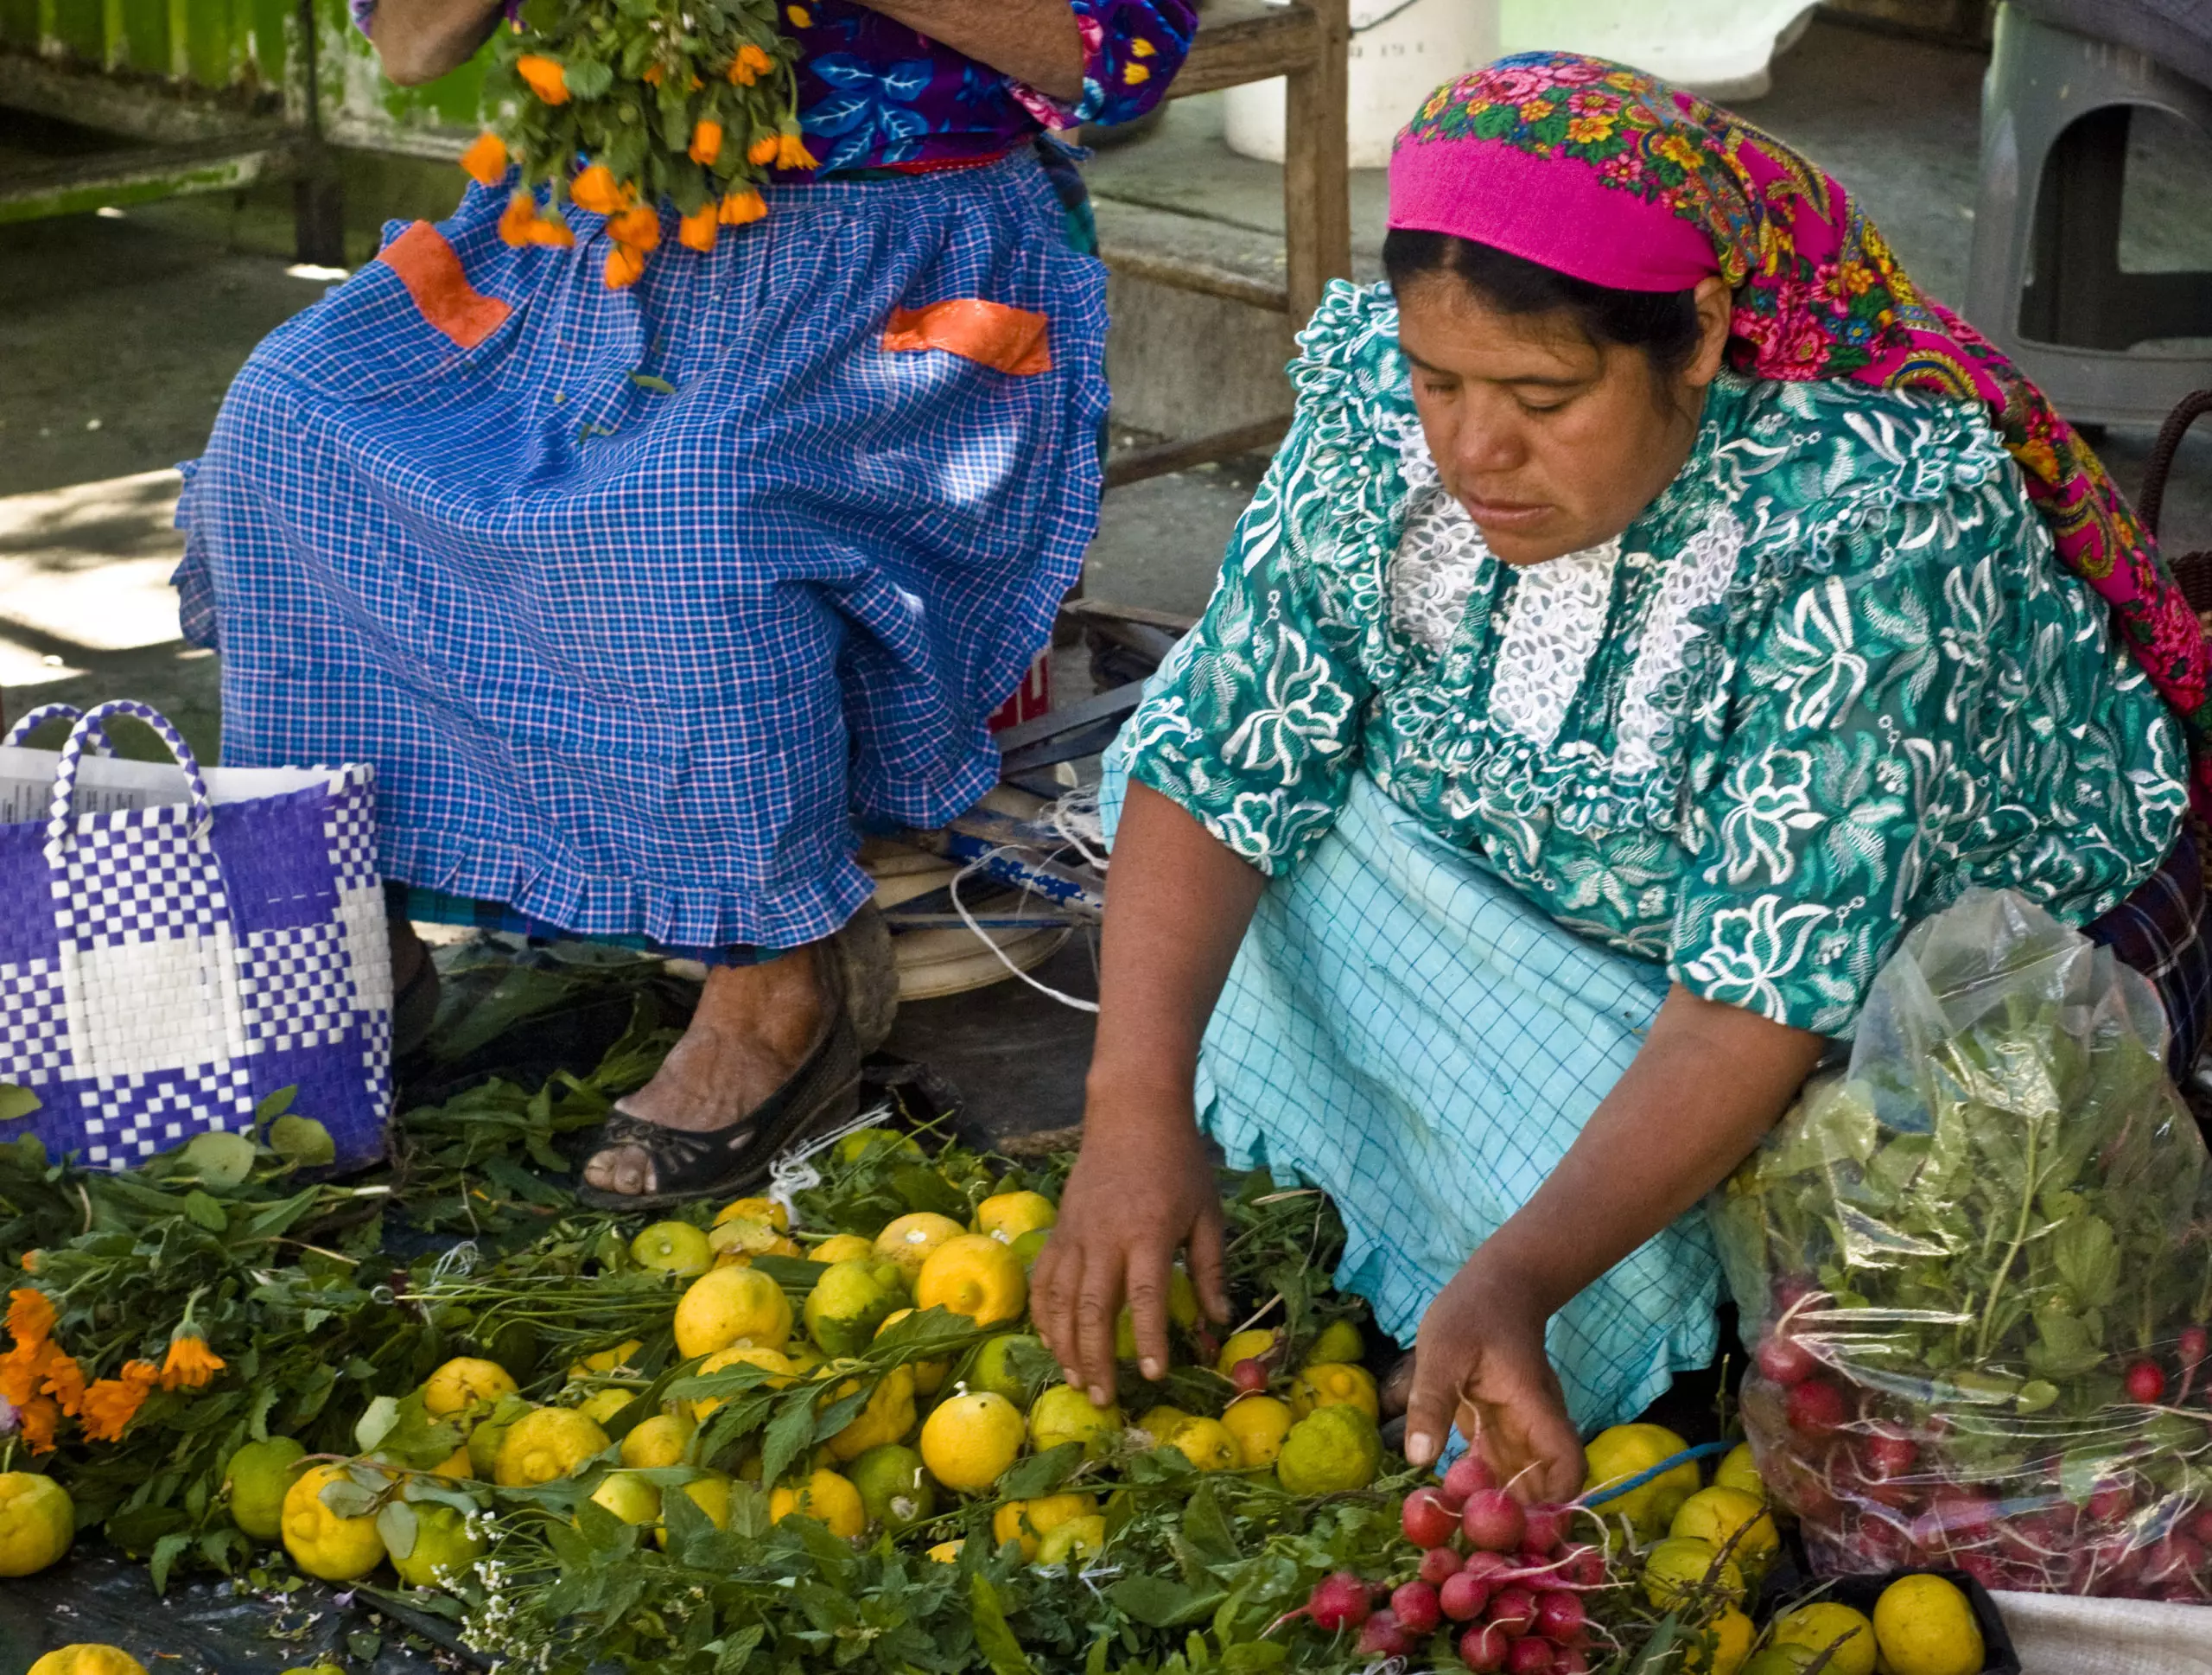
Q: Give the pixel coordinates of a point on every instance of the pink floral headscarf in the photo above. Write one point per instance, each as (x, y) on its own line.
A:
(1607, 174)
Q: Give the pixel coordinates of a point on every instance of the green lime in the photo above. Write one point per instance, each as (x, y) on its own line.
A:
(1012, 1365)
(257, 1477)
(1339, 1343)
(445, 1547)
(894, 1489)
(1330, 1451)
(850, 1301)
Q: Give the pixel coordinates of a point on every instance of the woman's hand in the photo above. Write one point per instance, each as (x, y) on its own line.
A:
(1035, 42)
(1141, 1190)
(1479, 1362)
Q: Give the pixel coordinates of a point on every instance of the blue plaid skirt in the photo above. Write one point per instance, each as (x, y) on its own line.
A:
(635, 599)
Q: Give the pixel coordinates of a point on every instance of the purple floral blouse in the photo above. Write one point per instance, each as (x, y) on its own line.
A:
(874, 93)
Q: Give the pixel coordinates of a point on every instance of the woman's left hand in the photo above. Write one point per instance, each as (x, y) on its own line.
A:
(1480, 1362)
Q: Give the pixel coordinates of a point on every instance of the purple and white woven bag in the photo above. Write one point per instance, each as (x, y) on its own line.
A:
(176, 946)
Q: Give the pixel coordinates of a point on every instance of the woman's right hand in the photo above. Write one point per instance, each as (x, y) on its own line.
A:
(1141, 1189)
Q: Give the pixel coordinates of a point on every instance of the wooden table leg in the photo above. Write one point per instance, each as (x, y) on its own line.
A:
(1316, 176)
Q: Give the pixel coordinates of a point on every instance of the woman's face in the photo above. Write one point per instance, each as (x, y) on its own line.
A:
(1553, 443)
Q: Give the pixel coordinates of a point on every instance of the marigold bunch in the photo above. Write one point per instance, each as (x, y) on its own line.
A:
(45, 1385)
(617, 110)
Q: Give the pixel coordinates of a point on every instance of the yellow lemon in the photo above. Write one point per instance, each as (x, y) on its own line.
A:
(911, 1240)
(1740, 1471)
(825, 1497)
(1330, 1451)
(1824, 1623)
(1675, 1571)
(1209, 1445)
(1924, 1626)
(460, 1384)
(1073, 1542)
(657, 1442)
(37, 1522)
(545, 1443)
(725, 1306)
(993, 1369)
(455, 1467)
(976, 1276)
(743, 1237)
(1624, 1451)
(967, 1442)
(325, 1545)
(878, 1142)
(841, 1247)
(1243, 1347)
(1716, 1514)
(771, 1361)
(88, 1659)
(806, 1360)
(850, 1301)
(1339, 1343)
(755, 1209)
(888, 1417)
(629, 1497)
(484, 1440)
(1064, 1414)
(1733, 1635)
(445, 1547)
(946, 1552)
(895, 1490)
(674, 1247)
(1259, 1423)
(710, 1494)
(604, 1404)
(605, 1361)
(1161, 1423)
(929, 1376)
(1005, 1216)
(1326, 1383)
(1026, 1523)
(257, 1479)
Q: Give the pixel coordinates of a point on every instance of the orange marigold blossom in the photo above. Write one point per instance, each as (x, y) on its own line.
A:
(638, 228)
(64, 1381)
(23, 1370)
(544, 76)
(742, 207)
(553, 231)
(486, 160)
(30, 1316)
(596, 189)
(764, 150)
(625, 267)
(190, 1364)
(35, 1420)
(696, 231)
(706, 144)
(515, 221)
(792, 152)
(111, 1404)
(652, 77)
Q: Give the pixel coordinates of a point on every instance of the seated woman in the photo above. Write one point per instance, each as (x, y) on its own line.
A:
(634, 598)
(1657, 606)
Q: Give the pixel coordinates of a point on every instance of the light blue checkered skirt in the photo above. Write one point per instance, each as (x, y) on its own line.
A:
(1406, 1031)
(635, 602)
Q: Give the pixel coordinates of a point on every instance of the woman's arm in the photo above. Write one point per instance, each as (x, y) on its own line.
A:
(1709, 1081)
(419, 40)
(1177, 905)
(1035, 42)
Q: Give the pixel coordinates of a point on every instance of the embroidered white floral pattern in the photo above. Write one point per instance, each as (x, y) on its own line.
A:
(1697, 579)
(1555, 620)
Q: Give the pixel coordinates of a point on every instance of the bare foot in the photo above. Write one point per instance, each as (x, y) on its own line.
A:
(755, 1027)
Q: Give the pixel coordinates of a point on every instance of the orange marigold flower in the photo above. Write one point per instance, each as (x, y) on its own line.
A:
(742, 207)
(706, 144)
(30, 1316)
(553, 231)
(696, 231)
(624, 266)
(638, 228)
(30, 1261)
(652, 76)
(515, 220)
(23, 1369)
(190, 1364)
(763, 150)
(486, 160)
(111, 1404)
(756, 58)
(544, 77)
(596, 189)
(35, 1420)
(792, 152)
(64, 1381)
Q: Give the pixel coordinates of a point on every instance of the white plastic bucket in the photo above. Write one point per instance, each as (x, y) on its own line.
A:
(1402, 50)
(1720, 48)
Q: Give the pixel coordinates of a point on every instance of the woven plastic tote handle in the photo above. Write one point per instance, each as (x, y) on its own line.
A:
(91, 729)
(45, 713)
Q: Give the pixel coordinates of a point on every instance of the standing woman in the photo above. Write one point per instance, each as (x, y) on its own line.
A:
(636, 598)
(1658, 607)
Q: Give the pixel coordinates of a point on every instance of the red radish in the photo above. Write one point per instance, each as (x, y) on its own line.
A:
(1571, 1661)
(1560, 1616)
(2200, 1525)
(1817, 1409)
(1428, 1521)
(1379, 1636)
(1513, 1609)
(2178, 1558)
(1493, 1520)
(1463, 1597)
(2194, 1344)
(1786, 1360)
(1585, 1567)
(1438, 1565)
(1417, 1607)
(2146, 1383)
(1338, 1602)
(1531, 1656)
(1468, 1474)
(1547, 1527)
(1483, 1649)
(1487, 1567)
(1962, 1515)
(1888, 1454)
(2111, 1505)
(1249, 1376)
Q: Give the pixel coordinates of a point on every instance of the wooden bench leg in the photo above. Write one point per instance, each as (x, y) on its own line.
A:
(1317, 163)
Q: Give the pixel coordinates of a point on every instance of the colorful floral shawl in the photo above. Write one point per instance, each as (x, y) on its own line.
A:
(1818, 294)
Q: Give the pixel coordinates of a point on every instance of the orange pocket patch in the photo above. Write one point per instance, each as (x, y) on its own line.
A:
(426, 265)
(990, 333)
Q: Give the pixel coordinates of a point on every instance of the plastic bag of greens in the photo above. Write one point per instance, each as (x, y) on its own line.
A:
(1975, 1273)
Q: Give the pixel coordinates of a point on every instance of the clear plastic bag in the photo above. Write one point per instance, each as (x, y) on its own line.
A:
(1976, 1274)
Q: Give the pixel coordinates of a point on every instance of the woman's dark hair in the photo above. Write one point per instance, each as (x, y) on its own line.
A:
(1661, 323)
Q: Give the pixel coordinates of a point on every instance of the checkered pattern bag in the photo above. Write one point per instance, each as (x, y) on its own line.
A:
(176, 946)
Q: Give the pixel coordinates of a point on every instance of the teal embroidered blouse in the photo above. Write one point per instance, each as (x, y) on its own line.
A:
(1829, 679)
